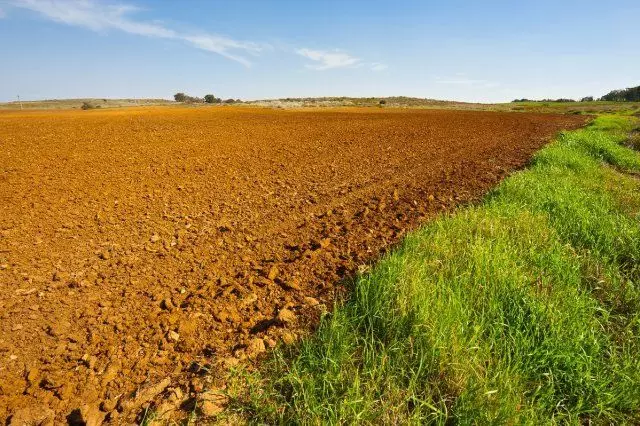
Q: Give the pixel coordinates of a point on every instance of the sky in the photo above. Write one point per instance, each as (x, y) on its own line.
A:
(475, 51)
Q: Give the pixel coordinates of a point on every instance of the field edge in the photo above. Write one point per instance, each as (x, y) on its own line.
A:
(521, 309)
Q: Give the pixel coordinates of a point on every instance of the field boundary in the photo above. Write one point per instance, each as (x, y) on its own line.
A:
(523, 309)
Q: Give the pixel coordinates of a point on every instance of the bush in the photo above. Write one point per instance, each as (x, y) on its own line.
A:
(87, 105)
(587, 99)
(210, 99)
(180, 97)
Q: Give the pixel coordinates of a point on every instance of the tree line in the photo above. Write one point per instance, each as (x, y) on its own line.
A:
(631, 94)
(207, 99)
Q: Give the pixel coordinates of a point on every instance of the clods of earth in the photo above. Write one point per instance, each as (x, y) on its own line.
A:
(144, 252)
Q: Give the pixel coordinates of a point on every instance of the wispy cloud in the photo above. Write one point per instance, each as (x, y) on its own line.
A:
(102, 16)
(2, 13)
(377, 66)
(325, 60)
(225, 46)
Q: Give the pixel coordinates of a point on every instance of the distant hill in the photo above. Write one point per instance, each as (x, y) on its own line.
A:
(342, 101)
(77, 103)
(559, 106)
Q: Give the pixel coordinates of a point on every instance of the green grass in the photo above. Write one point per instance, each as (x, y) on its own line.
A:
(595, 107)
(522, 310)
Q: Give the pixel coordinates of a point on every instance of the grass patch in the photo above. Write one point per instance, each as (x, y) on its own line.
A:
(525, 309)
(634, 140)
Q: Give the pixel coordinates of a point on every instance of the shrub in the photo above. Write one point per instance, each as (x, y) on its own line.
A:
(210, 99)
(181, 97)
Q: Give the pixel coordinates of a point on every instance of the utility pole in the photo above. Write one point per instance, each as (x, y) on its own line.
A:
(20, 101)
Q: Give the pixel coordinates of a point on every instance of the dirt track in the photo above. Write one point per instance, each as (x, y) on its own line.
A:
(138, 244)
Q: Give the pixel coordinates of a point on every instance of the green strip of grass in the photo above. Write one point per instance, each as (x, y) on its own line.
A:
(525, 309)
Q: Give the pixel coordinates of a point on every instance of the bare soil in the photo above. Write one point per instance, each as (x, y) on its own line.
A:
(141, 247)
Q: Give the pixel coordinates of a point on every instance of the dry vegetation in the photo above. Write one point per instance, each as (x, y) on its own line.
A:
(95, 103)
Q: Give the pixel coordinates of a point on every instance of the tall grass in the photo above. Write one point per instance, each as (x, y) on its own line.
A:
(525, 309)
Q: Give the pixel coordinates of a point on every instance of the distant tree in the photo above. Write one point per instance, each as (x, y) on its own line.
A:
(587, 99)
(631, 94)
(181, 97)
(210, 99)
(544, 100)
(229, 101)
(383, 102)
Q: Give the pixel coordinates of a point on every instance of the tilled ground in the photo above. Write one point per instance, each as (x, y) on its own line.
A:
(141, 247)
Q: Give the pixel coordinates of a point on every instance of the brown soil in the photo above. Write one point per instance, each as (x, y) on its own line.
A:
(137, 245)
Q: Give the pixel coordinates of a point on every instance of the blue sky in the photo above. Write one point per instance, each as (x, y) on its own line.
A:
(253, 49)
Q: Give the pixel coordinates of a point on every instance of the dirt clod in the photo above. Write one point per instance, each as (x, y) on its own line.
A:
(109, 405)
(145, 393)
(212, 403)
(255, 347)
(288, 338)
(173, 336)
(87, 415)
(167, 304)
(310, 301)
(286, 316)
(273, 273)
(36, 415)
(293, 284)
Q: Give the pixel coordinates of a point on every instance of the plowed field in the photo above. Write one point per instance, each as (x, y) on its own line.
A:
(141, 247)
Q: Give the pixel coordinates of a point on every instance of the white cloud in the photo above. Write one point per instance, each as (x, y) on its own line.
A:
(323, 60)
(101, 16)
(222, 46)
